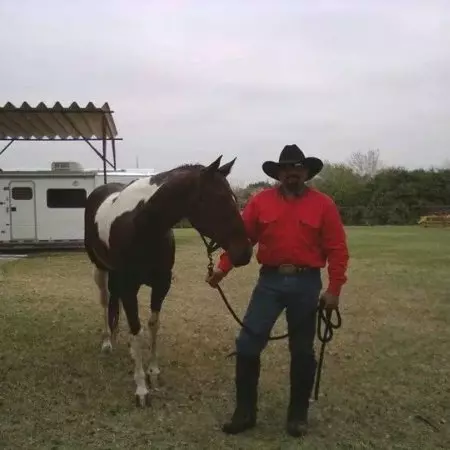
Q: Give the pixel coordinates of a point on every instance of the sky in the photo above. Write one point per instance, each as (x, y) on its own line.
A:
(192, 80)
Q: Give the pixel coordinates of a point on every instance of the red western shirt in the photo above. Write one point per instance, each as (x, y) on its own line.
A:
(305, 231)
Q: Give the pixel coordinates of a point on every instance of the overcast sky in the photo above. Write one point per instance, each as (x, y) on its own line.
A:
(190, 80)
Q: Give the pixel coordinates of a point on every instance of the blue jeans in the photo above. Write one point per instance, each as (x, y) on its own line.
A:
(298, 294)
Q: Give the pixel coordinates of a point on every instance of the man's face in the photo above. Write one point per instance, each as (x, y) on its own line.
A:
(293, 178)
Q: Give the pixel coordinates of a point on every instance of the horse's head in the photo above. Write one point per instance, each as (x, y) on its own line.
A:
(214, 212)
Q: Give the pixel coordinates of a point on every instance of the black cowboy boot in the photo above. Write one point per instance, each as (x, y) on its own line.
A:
(246, 381)
(302, 374)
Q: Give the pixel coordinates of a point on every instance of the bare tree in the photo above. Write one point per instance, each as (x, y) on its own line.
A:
(366, 164)
(446, 163)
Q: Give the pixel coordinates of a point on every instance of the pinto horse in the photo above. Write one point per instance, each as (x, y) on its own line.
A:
(130, 241)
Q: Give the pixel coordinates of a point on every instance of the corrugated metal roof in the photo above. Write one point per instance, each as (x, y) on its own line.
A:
(56, 122)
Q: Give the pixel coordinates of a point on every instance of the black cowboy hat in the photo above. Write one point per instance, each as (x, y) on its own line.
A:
(290, 155)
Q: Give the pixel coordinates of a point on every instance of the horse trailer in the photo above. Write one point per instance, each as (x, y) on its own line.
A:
(45, 208)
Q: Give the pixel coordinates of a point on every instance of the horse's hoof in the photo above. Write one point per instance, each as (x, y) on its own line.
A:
(154, 380)
(143, 401)
(106, 347)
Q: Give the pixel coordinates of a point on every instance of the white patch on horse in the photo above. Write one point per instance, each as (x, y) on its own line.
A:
(139, 374)
(121, 202)
(153, 370)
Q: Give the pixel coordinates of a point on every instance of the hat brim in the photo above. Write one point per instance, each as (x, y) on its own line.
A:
(312, 164)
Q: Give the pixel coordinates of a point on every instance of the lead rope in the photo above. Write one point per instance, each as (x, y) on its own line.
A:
(323, 317)
(224, 298)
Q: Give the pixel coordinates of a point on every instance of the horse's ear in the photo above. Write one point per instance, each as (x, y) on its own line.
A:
(213, 167)
(226, 168)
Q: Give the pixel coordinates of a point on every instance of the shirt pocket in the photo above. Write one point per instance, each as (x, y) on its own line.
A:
(309, 228)
(269, 225)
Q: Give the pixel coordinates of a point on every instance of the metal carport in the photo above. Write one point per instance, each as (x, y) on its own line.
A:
(58, 123)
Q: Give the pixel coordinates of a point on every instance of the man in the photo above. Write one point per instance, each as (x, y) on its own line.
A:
(298, 230)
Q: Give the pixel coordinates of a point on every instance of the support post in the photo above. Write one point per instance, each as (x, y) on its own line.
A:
(88, 141)
(6, 146)
(104, 147)
(113, 145)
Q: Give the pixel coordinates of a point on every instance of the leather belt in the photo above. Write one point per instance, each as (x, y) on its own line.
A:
(287, 269)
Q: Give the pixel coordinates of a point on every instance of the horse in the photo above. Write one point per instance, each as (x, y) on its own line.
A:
(129, 239)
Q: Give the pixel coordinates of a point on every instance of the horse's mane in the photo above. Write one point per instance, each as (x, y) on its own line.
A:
(162, 177)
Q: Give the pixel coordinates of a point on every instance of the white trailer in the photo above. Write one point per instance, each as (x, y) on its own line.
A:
(45, 208)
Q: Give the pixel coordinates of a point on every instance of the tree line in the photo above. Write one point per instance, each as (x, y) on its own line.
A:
(368, 192)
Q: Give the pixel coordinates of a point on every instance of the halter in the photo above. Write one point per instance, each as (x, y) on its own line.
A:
(324, 316)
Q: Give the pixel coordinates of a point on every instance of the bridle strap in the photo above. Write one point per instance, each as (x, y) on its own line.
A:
(211, 246)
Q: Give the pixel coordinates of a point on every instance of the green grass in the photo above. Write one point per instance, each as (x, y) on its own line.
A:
(388, 364)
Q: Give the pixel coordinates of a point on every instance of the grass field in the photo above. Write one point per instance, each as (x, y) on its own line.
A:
(387, 366)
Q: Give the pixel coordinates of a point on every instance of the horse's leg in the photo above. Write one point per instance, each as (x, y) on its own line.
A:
(128, 294)
(101, 280)
(160, 289)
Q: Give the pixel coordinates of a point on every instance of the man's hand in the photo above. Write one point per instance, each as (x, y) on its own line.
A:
(329, 301)
(215, 278)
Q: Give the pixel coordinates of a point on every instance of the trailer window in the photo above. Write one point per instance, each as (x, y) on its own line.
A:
(22, 193)
(66, 198)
